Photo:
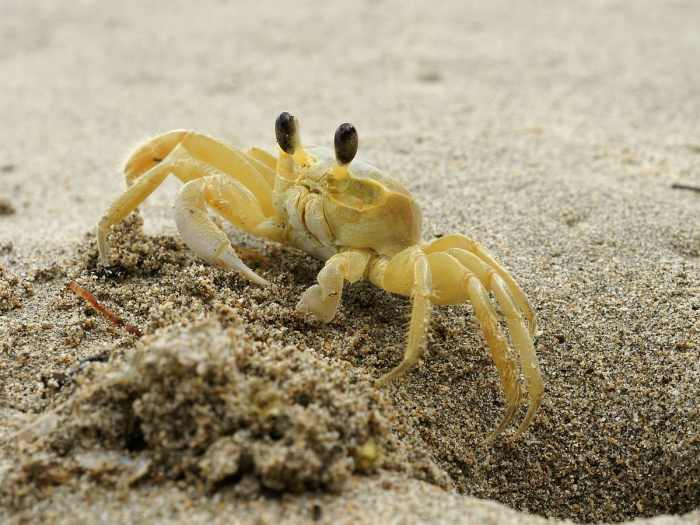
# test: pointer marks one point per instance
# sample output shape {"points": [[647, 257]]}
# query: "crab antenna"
{"points": [[288, 138]]}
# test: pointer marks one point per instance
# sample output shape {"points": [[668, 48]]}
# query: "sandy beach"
{"points": [[563, 137]]}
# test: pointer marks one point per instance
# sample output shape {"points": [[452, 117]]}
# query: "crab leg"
{"points": [[178, 163], [322, 299], [188, 156], [522, 341], [497, 342], [481, 277], [421, 291], [234, 202], [454, 284], [461, 241], [251, 169], [151, 153], [520, 335]]}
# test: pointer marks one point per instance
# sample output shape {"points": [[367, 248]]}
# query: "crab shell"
{"points": [[372, 210]]}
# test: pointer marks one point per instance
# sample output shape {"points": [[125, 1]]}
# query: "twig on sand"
{"points": [[103, 310], [677, 186]]}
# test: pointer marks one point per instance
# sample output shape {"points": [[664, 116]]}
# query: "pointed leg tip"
{"points": [[253, 277], [386, 378], [518, 433], [525, 425], [389, 377], [529, 418]]}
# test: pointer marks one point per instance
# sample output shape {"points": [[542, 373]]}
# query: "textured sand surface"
{"points": [[550, 132]]}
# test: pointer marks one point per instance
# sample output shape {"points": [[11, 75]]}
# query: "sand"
{"points": [[553, 134]]}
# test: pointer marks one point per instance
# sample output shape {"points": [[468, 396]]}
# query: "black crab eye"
{"points": [[345, 143], [286, 130]]}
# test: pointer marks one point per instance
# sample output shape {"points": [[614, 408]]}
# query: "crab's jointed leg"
{"points": [[179, 163], [498, 345], [462, 276], [151, 153], [239, 180], [516, 309], [517, 325], [522, 341], [408, 273], [455, 284], [322, 299], [251, 168], [465, 243]]}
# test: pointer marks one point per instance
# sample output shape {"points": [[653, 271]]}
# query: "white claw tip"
{"points": [[255, 278]]}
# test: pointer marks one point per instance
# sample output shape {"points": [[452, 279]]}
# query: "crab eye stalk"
{"points": [[287, 132], [345, 143]]}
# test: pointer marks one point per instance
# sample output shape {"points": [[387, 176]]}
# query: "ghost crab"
{"points": [[360, 221]]}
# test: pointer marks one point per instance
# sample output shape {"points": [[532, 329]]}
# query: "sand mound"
{"points": [[209, 404]]}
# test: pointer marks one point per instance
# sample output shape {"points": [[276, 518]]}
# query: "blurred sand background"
{"points": [[552, 132]]}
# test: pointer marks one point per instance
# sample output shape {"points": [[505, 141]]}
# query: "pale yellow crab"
{"points": [[360, 221]]}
